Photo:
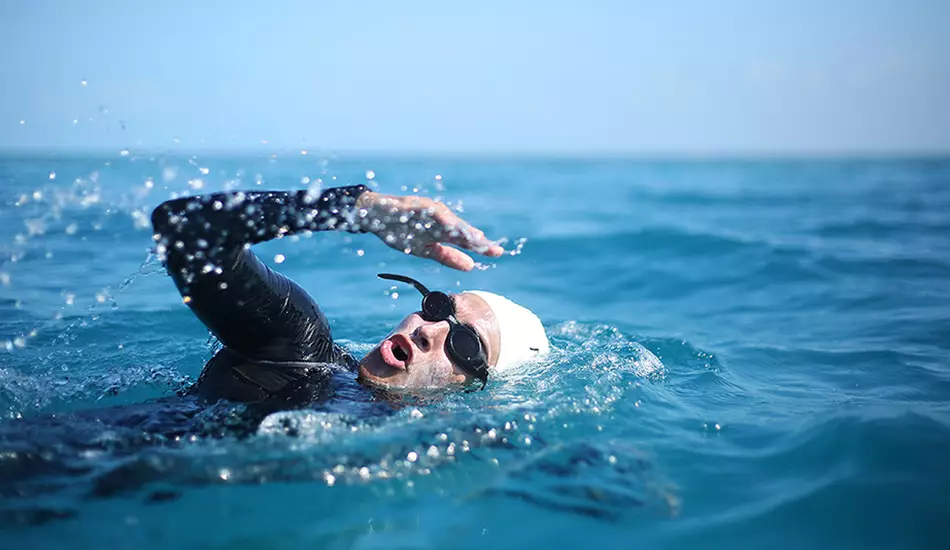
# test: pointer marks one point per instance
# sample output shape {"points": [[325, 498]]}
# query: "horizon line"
{"points": [[553, 154]]}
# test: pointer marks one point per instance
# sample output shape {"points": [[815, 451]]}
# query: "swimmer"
{"points": [[277, 347]]}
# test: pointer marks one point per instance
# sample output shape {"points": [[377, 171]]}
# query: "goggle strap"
{"points": [[403, 279]]}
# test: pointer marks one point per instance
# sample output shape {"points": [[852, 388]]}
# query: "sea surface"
{"points": [[747, 354]]}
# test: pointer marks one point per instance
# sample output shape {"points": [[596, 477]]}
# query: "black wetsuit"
{"points": [[277, 346], [277, 354]]}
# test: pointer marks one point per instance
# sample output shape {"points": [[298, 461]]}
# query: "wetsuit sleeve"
{"points": [[205, 244]]}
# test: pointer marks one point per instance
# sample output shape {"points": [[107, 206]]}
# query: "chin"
{"points": [[373, 371]]}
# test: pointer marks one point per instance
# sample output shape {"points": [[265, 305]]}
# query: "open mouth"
{"points": [[400, 353], [396, 351]]}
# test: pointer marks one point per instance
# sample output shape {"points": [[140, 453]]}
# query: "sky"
{"points": [[596, 76]]}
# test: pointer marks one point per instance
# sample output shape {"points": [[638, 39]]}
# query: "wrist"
{"points": [[367, 199]]}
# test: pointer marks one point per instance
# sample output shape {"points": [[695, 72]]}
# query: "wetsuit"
{"points": [[277, 346]]}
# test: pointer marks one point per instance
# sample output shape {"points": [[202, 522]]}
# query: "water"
{"points": [[748, 354]]}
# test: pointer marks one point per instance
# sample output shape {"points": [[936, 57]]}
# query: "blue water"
{"points": [[748, 354]]}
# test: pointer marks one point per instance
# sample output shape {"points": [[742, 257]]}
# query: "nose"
{"points": [[430, 335]]}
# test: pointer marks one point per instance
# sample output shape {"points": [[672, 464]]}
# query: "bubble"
{"points": [[224, 474], [204, 171], [52, 174], [5, 279], [279, 258], [412, 456], [394, 295], [438, 177], [71, 229], [22, 122], [304, 152], [124, 153], [360, 252], [37, 195], [370, 174], [83, 82], [305, 180], [196, 183], [330, 479], [169, 173], [149, 183]]}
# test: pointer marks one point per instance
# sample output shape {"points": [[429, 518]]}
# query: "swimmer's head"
{"points": [[454, 340]]}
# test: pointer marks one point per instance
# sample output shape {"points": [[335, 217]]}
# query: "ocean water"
{"points": [[747, 354]]}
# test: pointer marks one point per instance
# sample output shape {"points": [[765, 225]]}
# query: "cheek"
{"points": [[437, 371]]}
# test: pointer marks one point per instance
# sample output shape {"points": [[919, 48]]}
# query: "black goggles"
{"points": [[462, 345]]}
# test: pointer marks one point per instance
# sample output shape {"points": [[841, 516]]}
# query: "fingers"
{"points": [[449, 257], [463, 234]]}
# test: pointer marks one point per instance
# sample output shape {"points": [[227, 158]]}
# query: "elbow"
{"points": [[165, 217]]}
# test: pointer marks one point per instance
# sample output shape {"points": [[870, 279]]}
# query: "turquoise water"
{"points": [[748, 354]]}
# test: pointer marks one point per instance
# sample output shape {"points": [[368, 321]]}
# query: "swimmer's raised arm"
{"points": [[205, 240]]}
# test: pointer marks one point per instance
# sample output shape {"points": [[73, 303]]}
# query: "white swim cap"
{"points": [[521, 332]]}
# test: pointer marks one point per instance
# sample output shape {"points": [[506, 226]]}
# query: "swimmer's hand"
{"points": [[423, 227]]}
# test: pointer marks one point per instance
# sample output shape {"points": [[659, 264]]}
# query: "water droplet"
{"points": [[303, 152], [412, 456], [360, 252], [305, 180], [438, 177], [370, 174], [83, 82], [394, 295], [204, 171], [279, 258], [52, 174], [124, 153], [224, 474], [22, 122]]}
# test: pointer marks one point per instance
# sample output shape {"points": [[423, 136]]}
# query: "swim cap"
{"points": [[520, 331]]}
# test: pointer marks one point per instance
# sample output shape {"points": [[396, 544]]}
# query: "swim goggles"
{"points": [[462, 344]]}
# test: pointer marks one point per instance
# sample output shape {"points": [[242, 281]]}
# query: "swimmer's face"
{"points": [[414, 355]]}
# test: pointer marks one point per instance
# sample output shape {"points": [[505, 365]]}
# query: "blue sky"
{"points": [[686, 77]]}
